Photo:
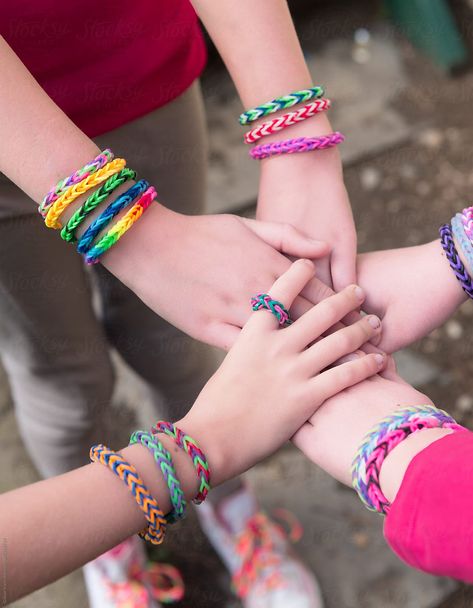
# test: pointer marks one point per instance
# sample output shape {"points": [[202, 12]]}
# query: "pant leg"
{"points": [[169, 148], [51, 344]]}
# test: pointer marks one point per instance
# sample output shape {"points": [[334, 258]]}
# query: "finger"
{"points": [[325, 314], [316, 290], [222, 335], [339, 344], [287, 239], [323, 271], [285, 290], [343, 264], [336, 379]]}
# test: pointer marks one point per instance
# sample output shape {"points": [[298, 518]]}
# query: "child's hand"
{"points": [[413, 290], [333, 434], [272, 380]]}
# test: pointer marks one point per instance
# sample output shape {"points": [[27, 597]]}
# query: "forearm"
{"points": [[40, 144], [48, 513]]}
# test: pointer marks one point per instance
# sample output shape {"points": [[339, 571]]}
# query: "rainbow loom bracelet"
{"points": [[458, 232], [287, 120], [94, 200], [467, 219], [56, 209], [379, 442], [300, 144], [164, 461], [263, 301], [121, 227], [129, 475], [446, 240], [94, 165], [120, 203], [186, 443], [280, 103]]}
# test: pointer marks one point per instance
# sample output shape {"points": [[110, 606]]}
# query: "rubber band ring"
{"points": [[263, 301]]}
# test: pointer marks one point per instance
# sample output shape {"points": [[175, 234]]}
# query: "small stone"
{"points": [[360, 540], [423, 188], [408, 171], [370, 178], [431, 138], [453, 329], [394, 206], [464, 403]]}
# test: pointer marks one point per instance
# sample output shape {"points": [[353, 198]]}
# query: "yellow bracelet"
{"points": [[52, 218]]}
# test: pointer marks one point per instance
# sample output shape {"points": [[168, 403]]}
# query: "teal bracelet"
{"points": [[281, 103], [164, 461]]}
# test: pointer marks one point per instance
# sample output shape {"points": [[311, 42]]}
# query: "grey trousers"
{"points": [[54, 348]]}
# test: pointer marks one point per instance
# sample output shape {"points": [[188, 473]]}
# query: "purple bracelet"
{"points": [[300, 144], [446, 240]]}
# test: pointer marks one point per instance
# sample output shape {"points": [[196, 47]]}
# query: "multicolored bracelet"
{"points": [[164, 461], [263, 301], [287, 120], [186, 443], [467, 220], [458, 232], [121, 227], [281, 103], [60, 188], [120, 203], [379, 442], [300, 144], [446, 240], [73, 192], [69, 230], [129, 475]]}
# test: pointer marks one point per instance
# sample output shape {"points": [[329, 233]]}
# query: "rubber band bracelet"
{"points": [[281, 103], [458, 232], [156, 529], [446, 240], [287, 120], [467, 220], [263, 301], [68, 233], [300, 144], [73, 192], [189, 445], [120, 203], [379, 442], [121, 227], [91, 167], [164, 461]]}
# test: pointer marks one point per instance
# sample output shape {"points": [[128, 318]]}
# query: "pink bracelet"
{"points": [[301, 144], [286, 120]]}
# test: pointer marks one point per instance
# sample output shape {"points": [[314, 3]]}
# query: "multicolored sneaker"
{"points": [[122, 578], [257, 551]]}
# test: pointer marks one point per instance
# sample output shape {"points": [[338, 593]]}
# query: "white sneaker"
{"points": [[258, 554], [121, 578]]}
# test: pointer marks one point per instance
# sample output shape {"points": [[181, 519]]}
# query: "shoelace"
{"points": [[165, 580], [258, 551]]}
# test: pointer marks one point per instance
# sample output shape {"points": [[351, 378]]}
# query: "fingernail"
{"points": [[360, 294], [379, 359], [374, 321]]}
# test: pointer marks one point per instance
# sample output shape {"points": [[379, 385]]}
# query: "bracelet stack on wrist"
{"points": [[290, 146], [379, 442], [107, 173], [157, 521]]}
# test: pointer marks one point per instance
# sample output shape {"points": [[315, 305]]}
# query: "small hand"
{"points": [[273, 379], [199, 272]]}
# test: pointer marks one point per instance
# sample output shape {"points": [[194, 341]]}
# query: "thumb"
{"points": [[287, 239]]}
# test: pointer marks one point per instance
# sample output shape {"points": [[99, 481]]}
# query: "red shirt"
{"points": [[106, 62]]}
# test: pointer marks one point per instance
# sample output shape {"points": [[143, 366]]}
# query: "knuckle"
{"points": [[348, 373]]}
